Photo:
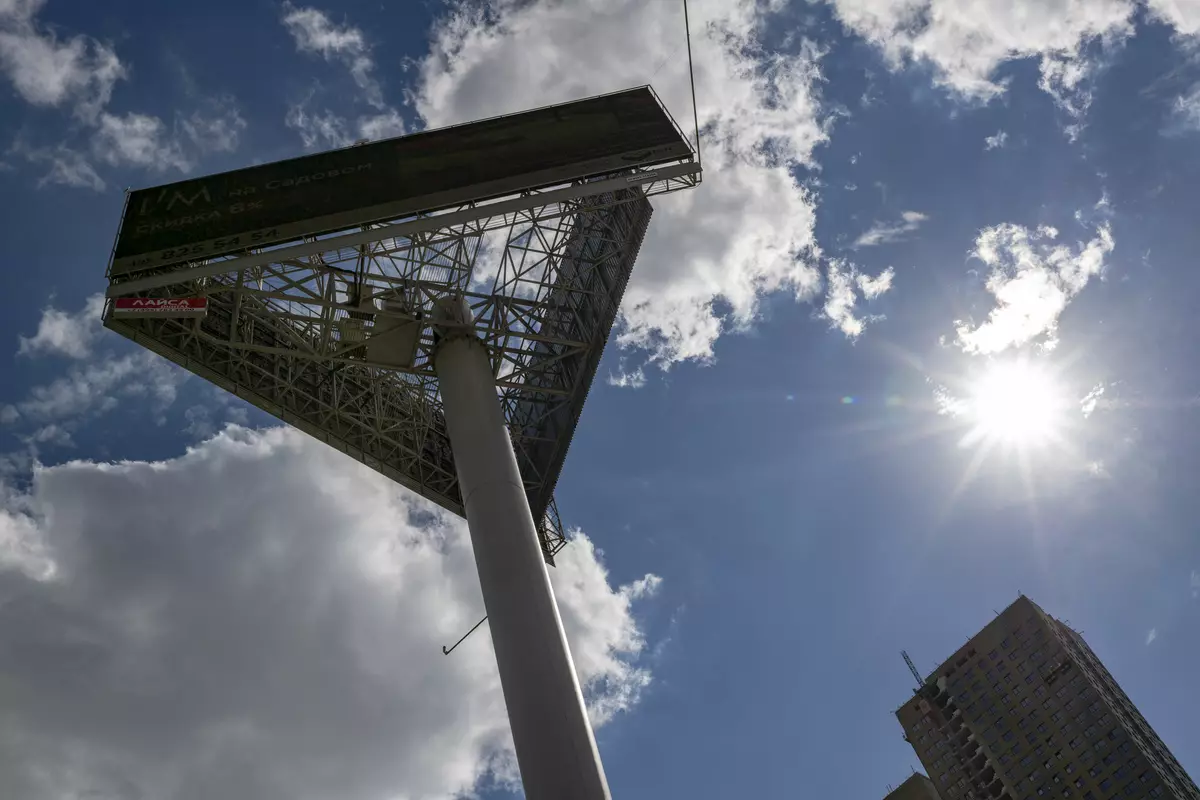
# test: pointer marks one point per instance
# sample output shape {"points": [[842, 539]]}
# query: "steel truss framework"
{"points": [[332, 336]]}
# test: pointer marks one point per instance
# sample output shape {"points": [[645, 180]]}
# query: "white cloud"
{"points": [[50, 434], [1151, 636], [844, 284], [216, 127], [1182, 15], [78, 72], [997, 140], [97, 384], [68, 167], [140, 140], [965, 44], [1195, 583], [627, 379], [314, 32], [1032, 280], [885, 232], [1185, 112], [324, 130], [168, 646], [63, 333], [97, 387], [381, 126], [748, 229], [947, 404], [1087, 406]]}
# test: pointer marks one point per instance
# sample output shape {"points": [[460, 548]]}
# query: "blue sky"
{"points": [[921, 341]]}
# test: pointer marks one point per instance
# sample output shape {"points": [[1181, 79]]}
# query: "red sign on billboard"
{"points": [[160, 306]]}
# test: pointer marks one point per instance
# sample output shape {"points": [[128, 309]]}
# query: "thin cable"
{"points": [[692, 75]]}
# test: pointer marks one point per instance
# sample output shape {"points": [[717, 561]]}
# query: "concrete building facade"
{"points": [[917, 787], [1025, 710]]}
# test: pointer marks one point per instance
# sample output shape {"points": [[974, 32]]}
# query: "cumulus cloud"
{"points": [[282, 643], [99, 382], [1185, 112], [216, 127], [64, 333], [965, 44], [1032, 279], [844, 285], [1087, 406], [67, 167], [78, 72], [325, 129], [97, 387], [995, 141], [314, 32], [138, 139], [627, 378], [711, 253], [1182, 15], [885, 232]]}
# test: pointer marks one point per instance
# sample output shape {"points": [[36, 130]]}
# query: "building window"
{"points": [[1106, 784], [1115, 734], [1041, 690], [1057, 716], [1130, 788], [1009, 736], [1074, 743], [1029, 678], [1026, 702], [1144, 777]]}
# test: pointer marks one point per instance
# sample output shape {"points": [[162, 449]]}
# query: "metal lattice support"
{"points": [[336, 343]]}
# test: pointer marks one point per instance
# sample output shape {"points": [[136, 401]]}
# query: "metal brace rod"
{"points": [[446, 652]]}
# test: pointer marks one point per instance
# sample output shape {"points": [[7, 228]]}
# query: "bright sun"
{"points": [[1017, 403]]}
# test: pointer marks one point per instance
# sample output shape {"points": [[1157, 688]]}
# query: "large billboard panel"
{"points": [[271, 203]]}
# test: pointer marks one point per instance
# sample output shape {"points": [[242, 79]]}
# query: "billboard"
{"points": [[271, 203], [160, 306]]}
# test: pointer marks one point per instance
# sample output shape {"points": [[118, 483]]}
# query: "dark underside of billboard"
{"points": [[391, 420], [236, 212]]}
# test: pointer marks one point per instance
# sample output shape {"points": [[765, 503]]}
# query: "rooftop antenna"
{"points": [[913, 669]]}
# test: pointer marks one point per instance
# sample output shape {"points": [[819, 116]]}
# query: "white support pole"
{"points": [[556, 750]]}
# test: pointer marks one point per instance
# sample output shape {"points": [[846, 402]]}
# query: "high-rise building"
{"points": [[1025, 710], [917, 787]]}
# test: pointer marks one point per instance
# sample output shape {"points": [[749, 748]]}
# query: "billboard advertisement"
{"points": [[267, 204], [160, 306]]}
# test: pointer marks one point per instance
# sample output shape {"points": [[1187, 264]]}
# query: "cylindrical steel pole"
{"points": [[556, 750]]}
